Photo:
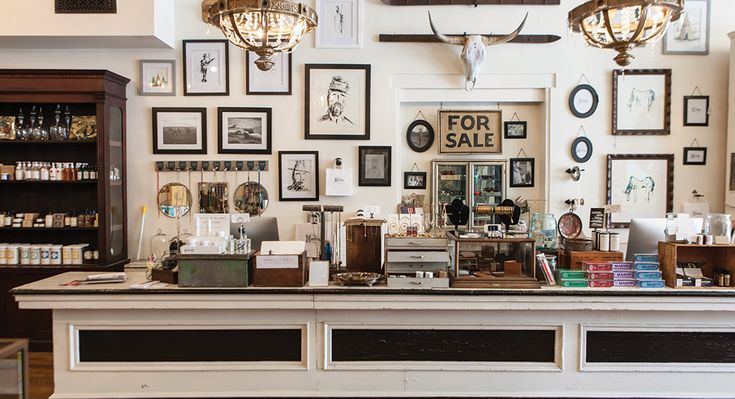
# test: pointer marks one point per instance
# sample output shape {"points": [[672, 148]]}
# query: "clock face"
{"points": [[583, 101], [581, 149]]}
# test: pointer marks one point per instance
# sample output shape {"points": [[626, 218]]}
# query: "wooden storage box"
{"points": [[575, 259], [710, 257], [280, 270], [213, 270]]}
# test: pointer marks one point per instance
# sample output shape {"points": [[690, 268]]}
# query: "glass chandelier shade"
{"points": [[622, 24], [265, 27]]}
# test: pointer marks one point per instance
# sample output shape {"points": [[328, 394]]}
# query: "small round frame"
{"points": [[583, 101], [420, 135], [581, 149]]}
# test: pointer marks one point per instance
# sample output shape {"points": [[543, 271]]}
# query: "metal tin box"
{"points": [[213, 270]]}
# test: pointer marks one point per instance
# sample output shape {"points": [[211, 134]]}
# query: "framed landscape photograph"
{"points": [[179, 130], [641, 102], [157, 77], [244, 130], [206, 68], [696, 111], [522, 172], [340, 24], [515, 129], [414, 180], [642, 184], [276, 81], [420, 135], [690, 33], [374, 169], [298, 175], [695, 155], [337, 102]]}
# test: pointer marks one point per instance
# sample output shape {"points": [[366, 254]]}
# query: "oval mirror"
{"points": [[251, 198], [174, 200]]}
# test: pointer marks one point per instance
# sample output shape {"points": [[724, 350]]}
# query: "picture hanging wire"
{"points": [[695, 143], [581, 132], [417, 115], [522, 151], [696, 90], [583, 77], [515, 117], [414, 168]]}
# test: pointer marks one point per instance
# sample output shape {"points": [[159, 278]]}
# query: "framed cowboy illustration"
{"points": [[298, 175], [641, 102], [374, 166], [244, 130], [339, 24], [470, 132], [337, 102], [206, 68]]}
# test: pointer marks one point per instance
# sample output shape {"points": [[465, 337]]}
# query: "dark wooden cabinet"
{"points": [[95, 93]]}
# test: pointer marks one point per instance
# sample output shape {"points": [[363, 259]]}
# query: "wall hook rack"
{"points": [[207, 166]]}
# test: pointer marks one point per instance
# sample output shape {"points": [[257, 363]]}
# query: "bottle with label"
{"points": [[73, 220], [67, 220], [44, 173], [79, 172], [85, 172], [19, 171], [93, 173], [35, 171]]}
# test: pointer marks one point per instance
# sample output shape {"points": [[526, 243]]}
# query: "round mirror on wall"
{"points": [[251, 198], [174, 200]]}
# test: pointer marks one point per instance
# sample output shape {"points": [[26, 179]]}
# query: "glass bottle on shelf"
{"points": [[159, 245], [54, 130], [32, 125], [43, 172], [20, 126], [543, 230], [39, 133], [19, 171]]}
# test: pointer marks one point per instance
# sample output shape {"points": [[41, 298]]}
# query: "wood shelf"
{"points": [[471, 2], [47, 142], [11, 182], [429, 38], [48, 229]]}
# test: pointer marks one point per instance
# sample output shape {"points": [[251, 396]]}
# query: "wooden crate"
{"points": [[575, 259], [711, 257], [280, 277]]}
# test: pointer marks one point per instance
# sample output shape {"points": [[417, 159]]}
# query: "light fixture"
{"points": [[265, 27], [622, 24]]}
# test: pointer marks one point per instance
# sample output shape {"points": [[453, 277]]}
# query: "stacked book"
{"points": [[648, 271]]}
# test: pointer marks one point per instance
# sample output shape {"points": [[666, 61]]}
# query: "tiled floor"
{"points": [[41, 375]]}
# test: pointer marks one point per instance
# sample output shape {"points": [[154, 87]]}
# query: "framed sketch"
{"points": [[337, 102], [157, 77], [642, 102], [642, 184], [515, 129], [522, 172], [581, 149], [695, 155], [420, 135], [276, 81], [244, 130], [340, 24], [179, 130], [690, 33], [206, 68], [375, 166], [298, 175], [414, 180], [696, 111], [583, 101]]}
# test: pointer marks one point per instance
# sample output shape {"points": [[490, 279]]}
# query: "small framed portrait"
{"points": [[244, 130], [275, 81], [515, 129], [206, 68], [179, 130], [298, 175], [420, 135], [641, 102], [375, 166], [696, 111], [522, 172], [583, 101], [695, 155], [340, 24], [157, 77], [414, 180], [337, 102]]}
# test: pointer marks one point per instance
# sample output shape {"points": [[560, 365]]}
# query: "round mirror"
{"points": [[174, 200], [251, 198]]}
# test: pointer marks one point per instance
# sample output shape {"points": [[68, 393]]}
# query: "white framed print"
{"points": [[157, 77], [337, 102], [206, 68], [340, 24], [696, 110], [275, 81], [641, 102], [244, 130], [689, 34], [298, 175], [179, 130]]}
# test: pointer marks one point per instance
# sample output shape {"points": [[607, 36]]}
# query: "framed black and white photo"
{"points": [[641, 102], [414, 180], [522, 172], [583, 101], [515, 129], [298, 175], [244, 130], [696, 111], [275, 81], [374, 166], [695, 155], [206, 68], [420, 135], [690, 33], [337, 102], [340, 24], [179, 130], [157, 77], [581, 149]]}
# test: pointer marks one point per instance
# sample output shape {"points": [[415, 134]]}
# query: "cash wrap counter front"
{"points": [[113, 341]]}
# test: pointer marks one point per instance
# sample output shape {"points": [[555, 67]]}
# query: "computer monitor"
{"points": [[258, 229], [644, 235]]}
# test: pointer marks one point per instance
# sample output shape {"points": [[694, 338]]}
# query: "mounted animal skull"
{"points": [[473, 48]]}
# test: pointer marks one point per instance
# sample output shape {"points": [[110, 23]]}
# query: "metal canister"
{"points": [[615, 242], [604, 241]]}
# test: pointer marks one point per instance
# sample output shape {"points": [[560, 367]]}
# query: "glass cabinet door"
{"points": [[488, 188], [450, 183]]}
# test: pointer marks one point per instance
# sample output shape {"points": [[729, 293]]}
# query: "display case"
{"points": [[14, 368], [475, 183]]}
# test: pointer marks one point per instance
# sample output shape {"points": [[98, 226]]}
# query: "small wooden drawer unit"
{"points": [[405, 256]]}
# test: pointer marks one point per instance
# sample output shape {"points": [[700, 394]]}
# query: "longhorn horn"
{"points": [[491, 40], [444, 38]]}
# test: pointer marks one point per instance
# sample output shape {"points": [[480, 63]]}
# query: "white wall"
{"points": [[568, 59]]}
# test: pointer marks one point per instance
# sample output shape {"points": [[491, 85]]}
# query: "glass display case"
{"points": [[13, 368], [492, 256]]}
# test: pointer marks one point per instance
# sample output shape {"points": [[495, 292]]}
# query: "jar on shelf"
{"points": [[543, 230], [159, 245], [719, 226]]}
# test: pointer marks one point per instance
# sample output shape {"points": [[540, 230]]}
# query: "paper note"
{"points": [[277, 262]]}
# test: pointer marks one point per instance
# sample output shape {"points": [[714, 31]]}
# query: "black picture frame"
{"points": [[508, 124], [665, 74], [407, 180], [514, 180], [185, 46], [410, 135], [579, 89], [688, 150], [252, 92], [267, 114], [576, 143], [688, 110], [157, 146], [363, 170], [281, 196]]}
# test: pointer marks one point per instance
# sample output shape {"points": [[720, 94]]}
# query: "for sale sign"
{"points": [[470, 132]]}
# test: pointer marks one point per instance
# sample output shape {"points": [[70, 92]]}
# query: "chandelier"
{"points": [[622, 24], [265, 27]]}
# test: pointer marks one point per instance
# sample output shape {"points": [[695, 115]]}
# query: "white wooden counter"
{"points": [[548, 342]]}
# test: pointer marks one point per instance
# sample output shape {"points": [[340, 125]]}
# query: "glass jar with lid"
{"points": [[718, 225], [543, 230], [159, 245]]}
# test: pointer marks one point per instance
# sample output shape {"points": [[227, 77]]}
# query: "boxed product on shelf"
{"points": [[648, 275], [645, 258], [617, 266], [566, 274], [627, 283], [651, 283], [623, 275], [599, 275], [574, 283], [597, 267], [646, 266], [601, 283]]}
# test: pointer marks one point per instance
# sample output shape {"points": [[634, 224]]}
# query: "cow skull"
{"points": [[473, 49]]}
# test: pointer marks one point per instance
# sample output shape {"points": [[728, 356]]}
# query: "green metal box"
{"points": [[213, 270]]}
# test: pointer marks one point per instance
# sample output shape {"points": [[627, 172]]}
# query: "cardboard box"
{"points": [[575, 259]]}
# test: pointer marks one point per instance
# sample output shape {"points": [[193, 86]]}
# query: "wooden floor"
{"points": [[41, 375]]}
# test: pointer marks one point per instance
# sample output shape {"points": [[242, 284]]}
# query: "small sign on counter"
{"points": [[277, 262]]}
